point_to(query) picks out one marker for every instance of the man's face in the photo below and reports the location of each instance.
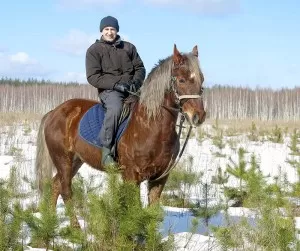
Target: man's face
(109, 34)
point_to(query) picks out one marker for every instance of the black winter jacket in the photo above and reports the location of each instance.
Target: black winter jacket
(110, 63)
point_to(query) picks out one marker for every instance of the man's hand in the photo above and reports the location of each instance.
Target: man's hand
(122, 87)
(134, 86)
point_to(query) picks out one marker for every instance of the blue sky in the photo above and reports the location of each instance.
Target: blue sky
(250, 43)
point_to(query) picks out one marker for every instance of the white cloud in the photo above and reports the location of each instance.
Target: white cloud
(79, 77)
(20, 65)
(203, 6)
(75, 42)
(21, 58)
(87, 3)
(200, 6)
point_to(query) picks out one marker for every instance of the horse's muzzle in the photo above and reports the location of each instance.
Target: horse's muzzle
(197, 119)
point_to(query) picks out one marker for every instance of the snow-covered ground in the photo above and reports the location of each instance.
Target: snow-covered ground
(17, 148)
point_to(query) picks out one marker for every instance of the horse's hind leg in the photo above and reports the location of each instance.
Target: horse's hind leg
(56, 186)
(155, 189)
(62, 182)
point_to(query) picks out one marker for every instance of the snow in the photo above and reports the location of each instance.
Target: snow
(17, 149)
(5, 164)
(195, 242)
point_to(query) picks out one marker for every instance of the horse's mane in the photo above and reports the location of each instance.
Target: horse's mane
(159, 79)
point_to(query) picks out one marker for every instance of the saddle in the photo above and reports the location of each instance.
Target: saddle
(92, 121)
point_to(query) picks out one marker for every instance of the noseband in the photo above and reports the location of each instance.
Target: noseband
(179, 98)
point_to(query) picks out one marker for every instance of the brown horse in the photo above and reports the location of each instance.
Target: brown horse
(150, 143)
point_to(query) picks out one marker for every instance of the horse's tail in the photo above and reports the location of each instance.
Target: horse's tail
(43, 162)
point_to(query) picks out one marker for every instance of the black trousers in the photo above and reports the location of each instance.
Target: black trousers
(113, 103)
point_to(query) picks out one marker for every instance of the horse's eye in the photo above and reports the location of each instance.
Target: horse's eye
(181, 81)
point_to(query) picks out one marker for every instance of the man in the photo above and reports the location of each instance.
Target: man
(114, 67)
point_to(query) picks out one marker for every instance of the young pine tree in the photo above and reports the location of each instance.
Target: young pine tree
(45, 227)
(270, 229)
(10, 213)
(117, 220)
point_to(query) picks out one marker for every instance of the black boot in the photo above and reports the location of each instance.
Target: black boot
(107, 158)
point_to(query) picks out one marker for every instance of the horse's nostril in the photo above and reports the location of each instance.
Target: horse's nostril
(196, 120)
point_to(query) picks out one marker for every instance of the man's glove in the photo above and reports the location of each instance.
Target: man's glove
(134, 86)
(122, 87)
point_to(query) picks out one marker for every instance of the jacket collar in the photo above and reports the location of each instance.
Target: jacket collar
(118, 41)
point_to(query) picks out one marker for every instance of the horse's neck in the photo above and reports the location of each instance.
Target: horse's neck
(165, 119)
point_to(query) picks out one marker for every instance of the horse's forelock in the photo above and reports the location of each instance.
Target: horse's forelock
(194, 67)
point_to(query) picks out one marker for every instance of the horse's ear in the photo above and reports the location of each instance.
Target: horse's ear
(177, 57)
(195, 51)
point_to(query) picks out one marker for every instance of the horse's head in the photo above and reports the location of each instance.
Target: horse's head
(187, 80)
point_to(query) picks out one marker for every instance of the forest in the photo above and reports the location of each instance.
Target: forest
(222, 102)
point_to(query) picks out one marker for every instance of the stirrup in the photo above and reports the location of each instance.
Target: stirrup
(106, 158)
(109, 161)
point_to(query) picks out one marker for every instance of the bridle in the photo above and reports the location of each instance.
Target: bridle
(179, 98)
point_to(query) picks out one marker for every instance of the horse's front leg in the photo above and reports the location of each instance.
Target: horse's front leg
(155, 189)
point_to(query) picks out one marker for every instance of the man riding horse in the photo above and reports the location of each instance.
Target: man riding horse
(114, 67)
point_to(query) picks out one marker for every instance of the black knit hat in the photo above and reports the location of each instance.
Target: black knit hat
(109, 21)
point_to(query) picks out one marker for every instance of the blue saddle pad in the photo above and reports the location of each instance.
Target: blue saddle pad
(91, 123)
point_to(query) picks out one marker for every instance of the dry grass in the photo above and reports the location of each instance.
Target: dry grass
(239, 126)
(244, 125)
(13, 118)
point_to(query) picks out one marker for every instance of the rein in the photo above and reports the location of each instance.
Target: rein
(172, 166)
